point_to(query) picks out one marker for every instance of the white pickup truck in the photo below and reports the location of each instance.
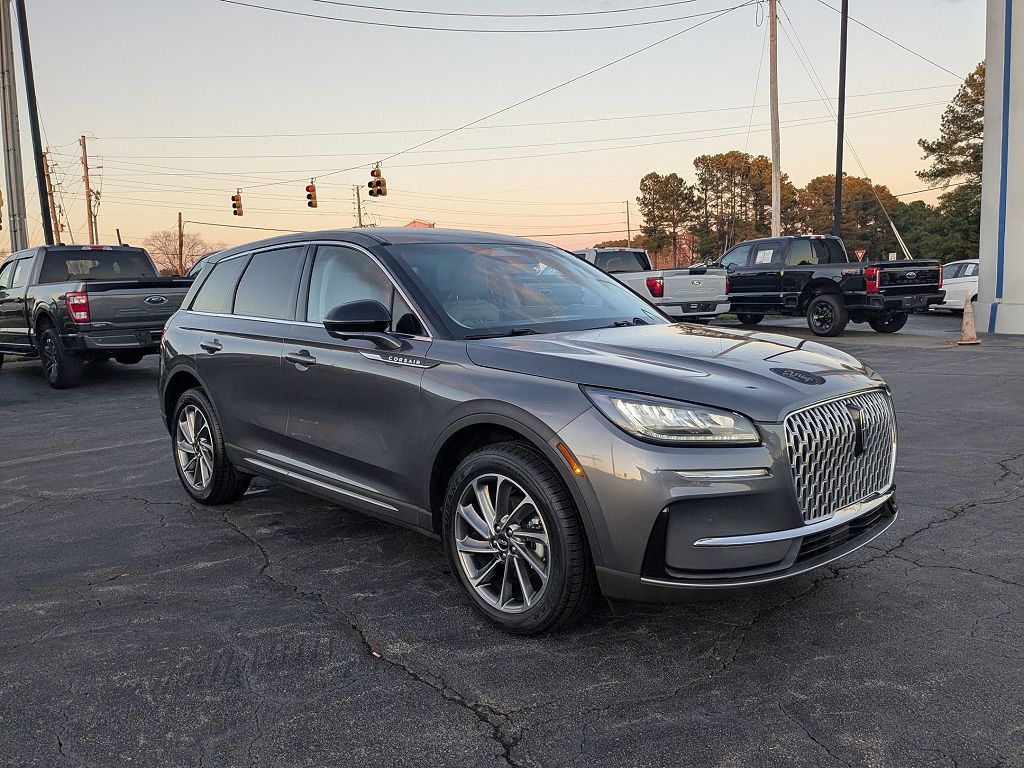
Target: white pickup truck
(691, 293)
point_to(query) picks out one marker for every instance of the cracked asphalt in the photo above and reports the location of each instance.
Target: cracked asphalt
(137, 628)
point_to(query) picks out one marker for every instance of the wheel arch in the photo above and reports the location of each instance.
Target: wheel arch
(178, 382)
(474, 431)
(817, 287)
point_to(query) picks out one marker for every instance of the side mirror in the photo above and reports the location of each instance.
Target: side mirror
(367, 319)
(710, 261)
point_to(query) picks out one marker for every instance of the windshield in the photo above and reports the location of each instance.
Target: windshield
(495, 289)
(71, 265)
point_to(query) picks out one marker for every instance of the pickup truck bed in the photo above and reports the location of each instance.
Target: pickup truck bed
(71, 304)
(690, 293)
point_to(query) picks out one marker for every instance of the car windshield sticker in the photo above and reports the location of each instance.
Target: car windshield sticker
(764, 257)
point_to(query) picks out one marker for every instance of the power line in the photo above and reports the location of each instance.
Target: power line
(418, 27)
(895, 42)
(553, 88)
(505, 15)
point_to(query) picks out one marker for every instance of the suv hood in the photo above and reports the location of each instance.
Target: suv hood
(761, 375)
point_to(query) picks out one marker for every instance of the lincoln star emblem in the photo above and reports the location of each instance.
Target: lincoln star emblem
(859, 436)
(156, 299)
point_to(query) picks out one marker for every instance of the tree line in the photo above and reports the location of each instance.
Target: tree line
(730, 200)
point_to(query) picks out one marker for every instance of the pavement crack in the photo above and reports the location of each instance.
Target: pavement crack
(806, 731)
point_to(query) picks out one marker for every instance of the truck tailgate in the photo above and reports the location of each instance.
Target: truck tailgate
(683, 285)
(134, 304)
(908, 278)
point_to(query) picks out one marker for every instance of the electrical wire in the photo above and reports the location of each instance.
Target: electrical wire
(895, 42)
(553, 88)
(475, 30)
(505, 15)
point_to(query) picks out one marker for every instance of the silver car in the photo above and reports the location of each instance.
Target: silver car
(559, 434)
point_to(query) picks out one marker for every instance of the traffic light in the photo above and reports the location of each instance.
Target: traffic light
(311, 194)
(377, 184)
(236, 204)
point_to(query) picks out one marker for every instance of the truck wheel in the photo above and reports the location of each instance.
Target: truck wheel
(61, 368)
(200, 455)
(128, 358)
(749, 319)
(827, 315)
(888, 322)
(515, 541)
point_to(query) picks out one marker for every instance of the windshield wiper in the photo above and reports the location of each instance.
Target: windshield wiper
(511, 332)
(628, 323)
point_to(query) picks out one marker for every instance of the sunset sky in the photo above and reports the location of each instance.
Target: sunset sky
(186, 101)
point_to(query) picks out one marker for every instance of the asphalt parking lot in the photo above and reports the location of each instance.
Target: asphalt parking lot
(139, 629)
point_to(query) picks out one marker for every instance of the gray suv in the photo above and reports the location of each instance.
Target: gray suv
(557, 432)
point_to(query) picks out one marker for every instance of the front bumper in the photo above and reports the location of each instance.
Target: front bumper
(665, 522)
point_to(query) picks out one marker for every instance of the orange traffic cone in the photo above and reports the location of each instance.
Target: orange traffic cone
(967, 333)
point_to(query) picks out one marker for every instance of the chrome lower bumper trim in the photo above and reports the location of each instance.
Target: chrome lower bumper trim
(843, 516)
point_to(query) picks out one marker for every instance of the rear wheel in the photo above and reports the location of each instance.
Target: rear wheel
(61, 368)
(888, 322)
(827, 315)
(515, 541)
(748, 318)
(200, 455)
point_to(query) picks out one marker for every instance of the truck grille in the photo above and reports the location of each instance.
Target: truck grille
(831, 468)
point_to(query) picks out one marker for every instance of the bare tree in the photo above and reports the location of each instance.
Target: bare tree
(163, 247)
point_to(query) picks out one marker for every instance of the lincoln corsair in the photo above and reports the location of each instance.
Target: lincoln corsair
(560, 435)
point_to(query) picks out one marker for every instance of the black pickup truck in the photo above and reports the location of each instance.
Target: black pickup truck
(68, 304)
(813, 276)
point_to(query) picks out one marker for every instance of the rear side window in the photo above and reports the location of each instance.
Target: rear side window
(66, 266)
(267, 289)
(836, 253)
(622, 261)
(970, 271)
(217, 293)
(20, 273)
(802, 252)
(6, 273)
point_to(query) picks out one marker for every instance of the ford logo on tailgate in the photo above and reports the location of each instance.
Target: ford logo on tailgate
(911, 275)
(156, 300)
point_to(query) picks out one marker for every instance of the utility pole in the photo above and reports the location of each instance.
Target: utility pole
(181, 247)
(88, 189)
(11, 133)
(841, 120)
(33, 119)
(359, 205)
(629, 231)
(773, 74)
(49, 197)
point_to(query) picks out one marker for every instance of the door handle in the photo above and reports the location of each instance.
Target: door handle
(211, 346)
(302, 357)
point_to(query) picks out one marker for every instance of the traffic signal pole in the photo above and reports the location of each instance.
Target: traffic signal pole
(841, 121)
(33, 120)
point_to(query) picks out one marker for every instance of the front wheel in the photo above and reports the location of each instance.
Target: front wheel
(748, 318)
(827, 315)
(889, 322)
(200, 454)
(515, 541)
(61, 368)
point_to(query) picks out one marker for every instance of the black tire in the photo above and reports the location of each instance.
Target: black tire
(827, 315)
(128, 358)
(748, 318)
(888, 322)
(224, 483)
(570, 586)
(1, 359)
(61, 368)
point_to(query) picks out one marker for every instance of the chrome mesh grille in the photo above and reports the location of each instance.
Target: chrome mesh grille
(822, 443)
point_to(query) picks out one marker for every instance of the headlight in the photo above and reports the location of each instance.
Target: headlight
(671, 422)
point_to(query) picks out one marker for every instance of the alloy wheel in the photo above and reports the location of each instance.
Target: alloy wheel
(824, 316)
(502, 542)
(50, 358)
(193, 443)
